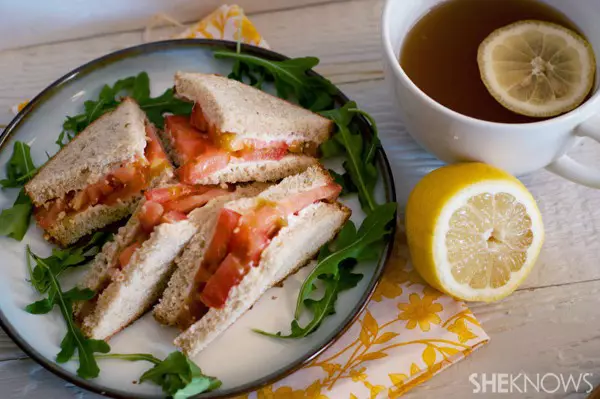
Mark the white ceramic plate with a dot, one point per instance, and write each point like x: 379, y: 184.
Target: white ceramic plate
x: 241, y: 359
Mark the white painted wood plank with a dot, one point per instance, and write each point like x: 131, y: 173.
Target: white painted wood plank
x: 570, y: 212
x: 30, y: 23
x: 344, y: 35
x: 24, y: 379
x: 549, y: 330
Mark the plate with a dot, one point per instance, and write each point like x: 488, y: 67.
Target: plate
x: 240, y: 358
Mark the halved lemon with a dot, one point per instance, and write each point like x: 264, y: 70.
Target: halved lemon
x: 537, y: 68
x: 474, y: 231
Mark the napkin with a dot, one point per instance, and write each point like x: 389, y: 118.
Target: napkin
x: 408, y: 331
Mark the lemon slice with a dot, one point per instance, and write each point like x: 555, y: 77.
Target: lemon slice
x: 474, y: 231
x: 537, y: 68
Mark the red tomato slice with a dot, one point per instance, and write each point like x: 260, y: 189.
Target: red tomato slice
x: 127, y: 253
x: 150, y: 215
x: 154, y: 152
x: 217, y: 250
x: 46, y: 217
x: 188, y: 204
x: 94, y: 193
x: 203, y: 166
x: 297, y: 202
x: 173, y: 216
x: 255, y: 232
x: 273, y: 153
x: 187, y: 141
x: 125, y: 174
x: 229, y: 274
x: 133, y: 187
x: 197, y: 119
x: 80, y: 200
x: 166, y: 194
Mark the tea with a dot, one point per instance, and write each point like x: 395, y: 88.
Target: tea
x: 439, y: 53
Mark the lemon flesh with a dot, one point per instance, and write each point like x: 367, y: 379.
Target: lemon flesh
x: 474, y: 231
x: 537, y: 68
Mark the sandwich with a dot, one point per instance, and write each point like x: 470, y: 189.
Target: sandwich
x: 237, y: 133
x: 246, y: 247
x: 98, y: 178
x: 131, y: 272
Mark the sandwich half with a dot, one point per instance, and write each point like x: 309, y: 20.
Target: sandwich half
x: 237, y: 133
x: 131, y: 272
x: 98, y: 178
x: 250, y: 245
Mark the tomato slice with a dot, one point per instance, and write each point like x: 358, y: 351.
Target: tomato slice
x: 203, y: 166
x: 154, y: 152
x: 187, y: 141
x: 297, y: 202
x: 46, y: 217
x: 229, y: 274
x: 125, y: 174
x: 257, y: 154
x: 127, y: 253
x: 173, y: 216
x: 166, y: 194
x: 188, y: 204
x: 255, y: 232
x: 80, y: 200
x: 150, y: 215
x: 197, y: 119
x: 217, y: 250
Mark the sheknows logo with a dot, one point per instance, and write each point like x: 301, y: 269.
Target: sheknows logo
x: 523, y: 383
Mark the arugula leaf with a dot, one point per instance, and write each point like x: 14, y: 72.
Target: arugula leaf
x: 334, y: 267
x: 20, y: 167
x: 14, y: 221
x: 323, y: 307
x: 74, y: 339
x: 359, y: 157
x: 345, y: 181
x: 166, y: 102
x: 180, y: 377
x: 109, y: 98
x: 62, y: 259
x: 290, y: 78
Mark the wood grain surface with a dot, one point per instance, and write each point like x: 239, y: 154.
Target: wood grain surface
x: 551, y: 324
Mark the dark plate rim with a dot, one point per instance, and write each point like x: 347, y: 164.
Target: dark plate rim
x: 269, y: 379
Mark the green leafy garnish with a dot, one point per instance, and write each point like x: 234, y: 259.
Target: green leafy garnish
x: 14, y: 221
x: 177, y: 375
x: 334, y: 267
x: 290, y: 78
x: 20, y: 167
x: 137, y: 87
x: 360, y: 156
x: 74, y: 339
x: 63, y: 259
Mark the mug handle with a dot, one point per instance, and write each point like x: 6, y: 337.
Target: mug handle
x: 570, y: 169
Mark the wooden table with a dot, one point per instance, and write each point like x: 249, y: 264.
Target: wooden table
x: 551, y: 324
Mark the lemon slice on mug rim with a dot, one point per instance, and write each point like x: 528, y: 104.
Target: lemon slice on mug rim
x: 537, y: 68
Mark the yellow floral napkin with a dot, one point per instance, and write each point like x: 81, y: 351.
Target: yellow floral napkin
x: 408, y: 332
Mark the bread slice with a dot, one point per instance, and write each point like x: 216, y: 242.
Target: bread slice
x: 293, y: 247
x: 127, y: 294
x: 173, y: 302
x: 115, y: 138
x: 234, y: 107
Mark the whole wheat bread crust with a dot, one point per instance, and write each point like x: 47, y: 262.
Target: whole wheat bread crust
x: 322, y: 220
x: 116, y: 138
x: 172, y: 304
x: 234, y: 107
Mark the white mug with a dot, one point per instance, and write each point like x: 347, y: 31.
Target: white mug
x: 516, y: 148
